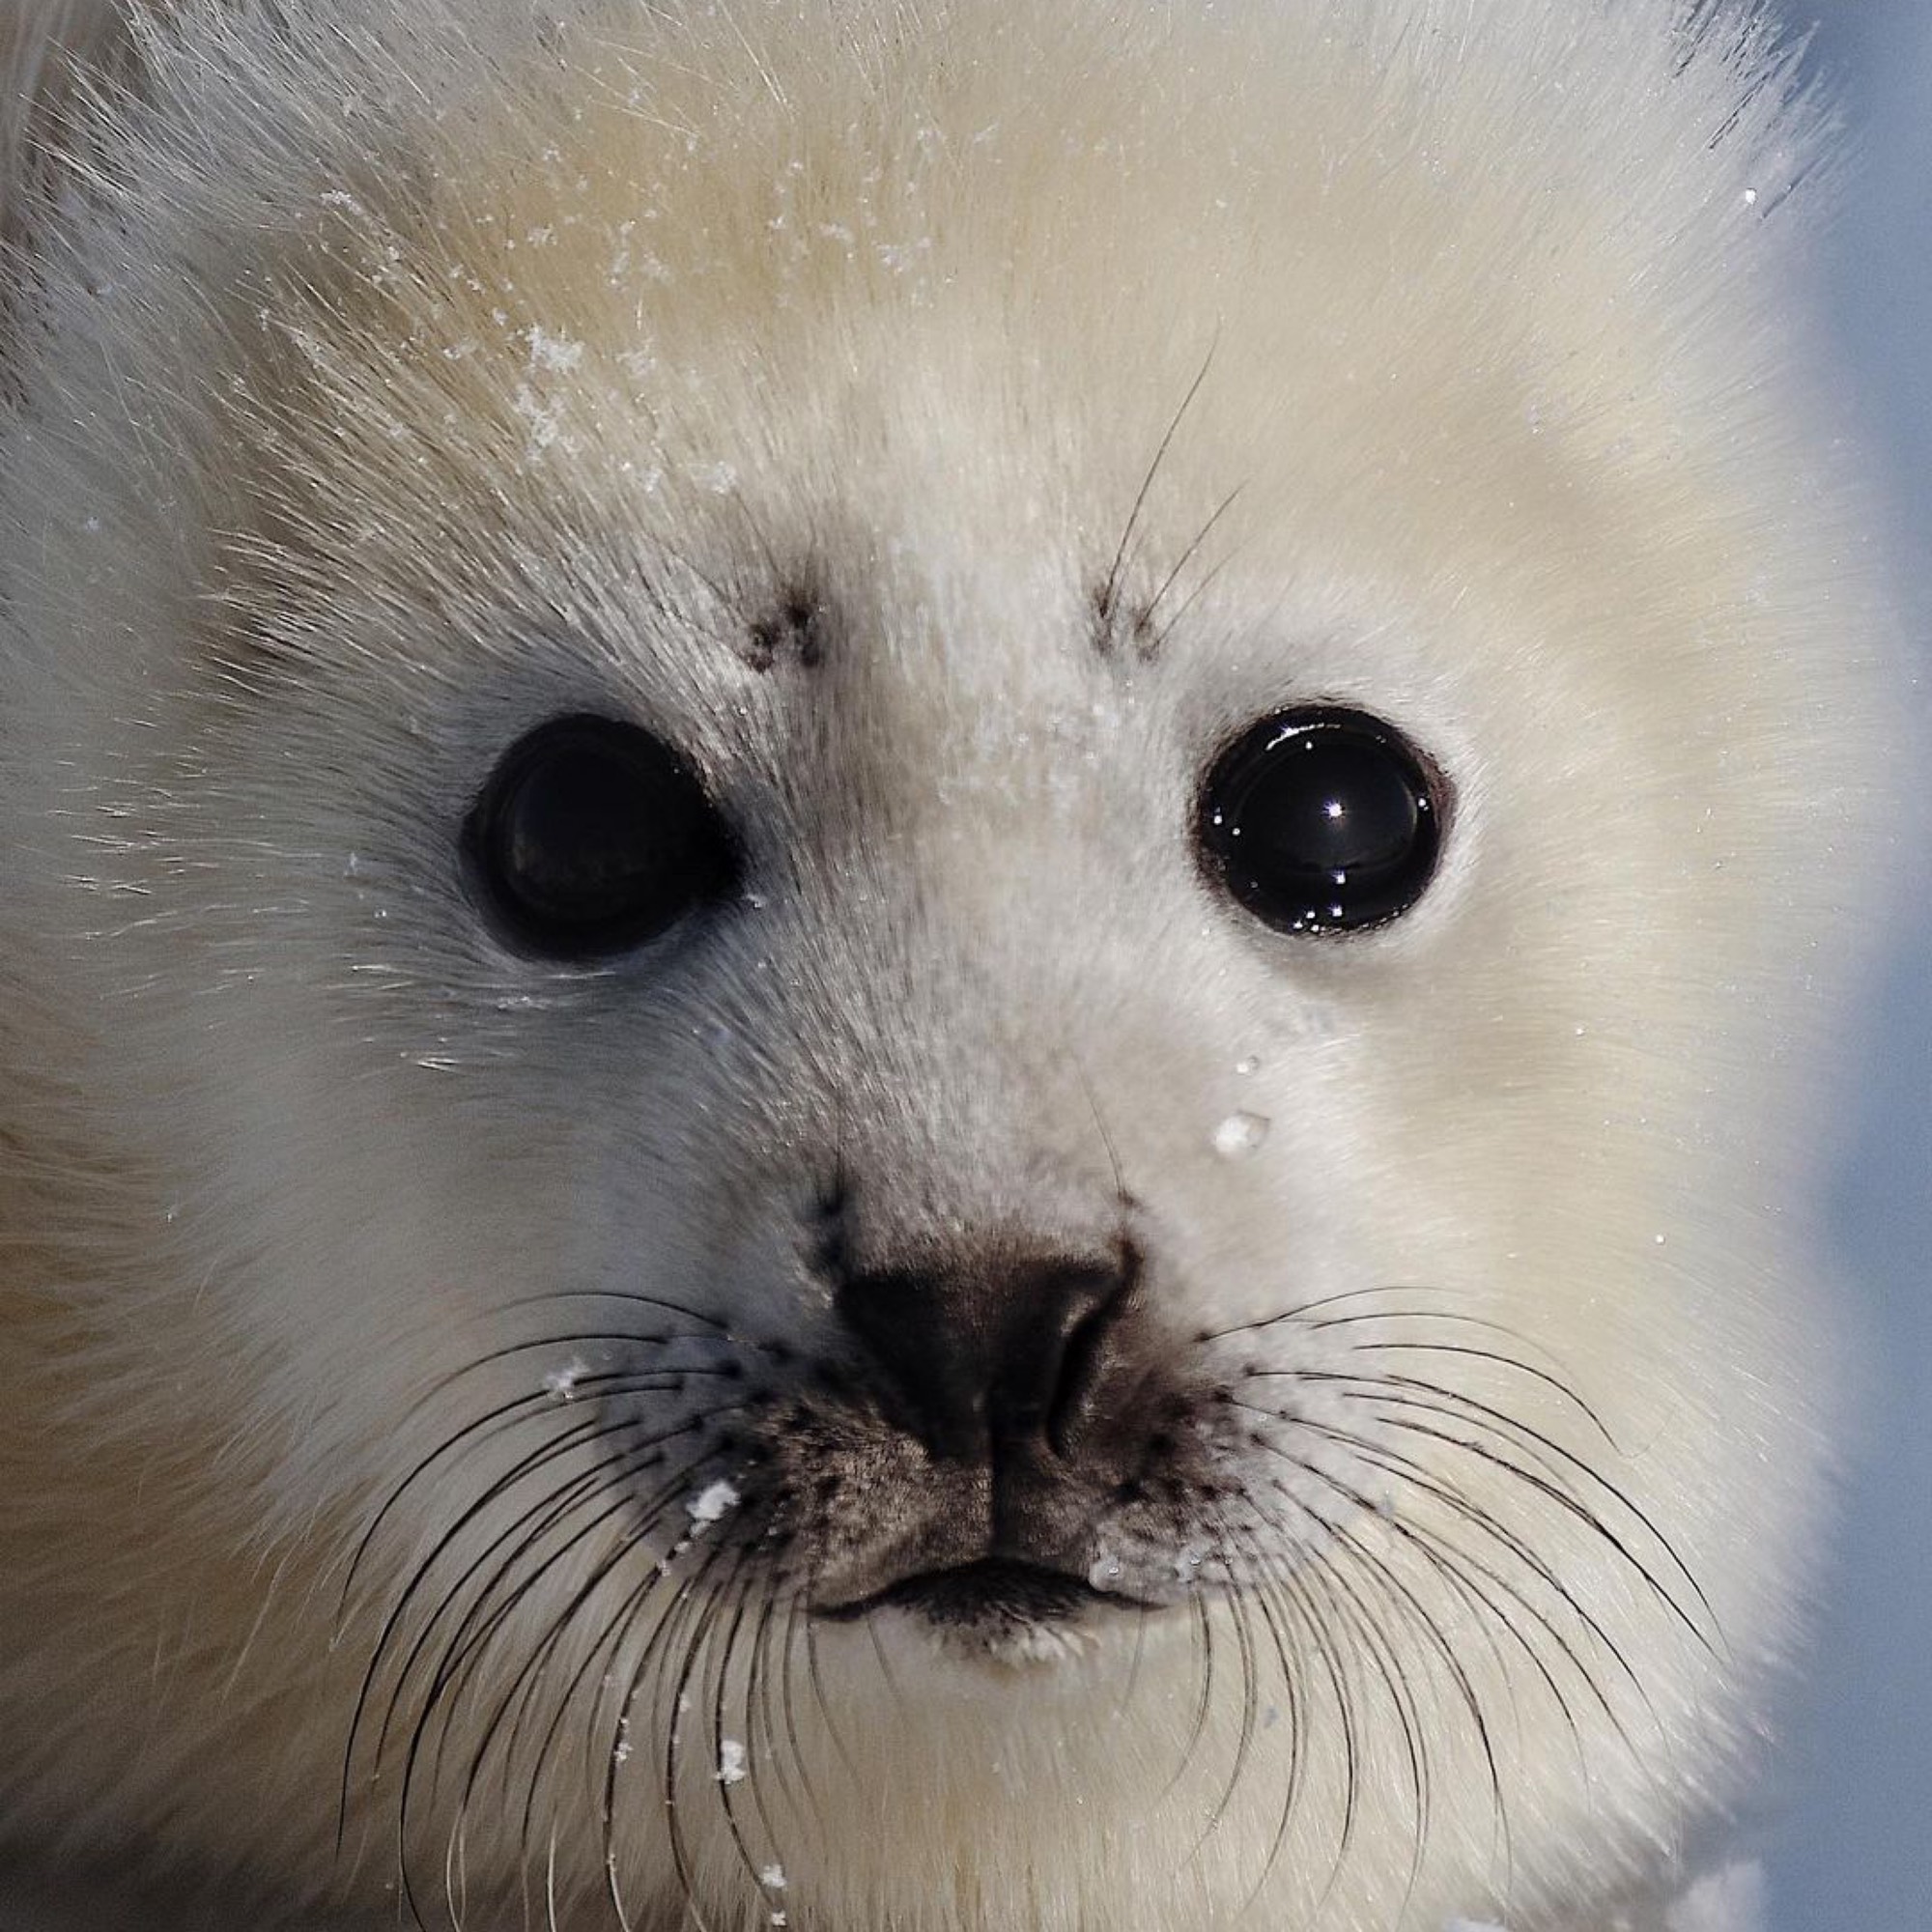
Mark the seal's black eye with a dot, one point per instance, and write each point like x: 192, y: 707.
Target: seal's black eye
x: 592, y: 836
x: 1321, y: 820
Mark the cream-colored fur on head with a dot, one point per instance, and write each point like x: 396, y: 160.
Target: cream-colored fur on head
x: 948, y: 425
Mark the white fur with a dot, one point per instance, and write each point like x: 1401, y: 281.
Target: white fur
x: 396, y: 374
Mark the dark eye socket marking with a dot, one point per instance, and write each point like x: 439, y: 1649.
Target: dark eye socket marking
x: 1321, y: 820
x: 592, y: 836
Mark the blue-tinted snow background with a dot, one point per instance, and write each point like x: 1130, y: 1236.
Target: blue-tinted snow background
x: 1855, y: 1854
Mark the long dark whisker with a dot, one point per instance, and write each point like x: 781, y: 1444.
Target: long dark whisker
x: 1245, y: 1646
x: 815, y: 1676
x: 616, y: 1483
x: 1301, y: 1310
x: 609, y: 1642
x: 761, y: 1734
x: 1121, y: 1194
x: 1484, y: 1522
x: 1556, y: 1382
x: 738, y: 1587
x: 1566, y: 1502
x: 496, y: 1604
x: 1135, y: 1657
x: 884, y: 1665
x: 1108, y: 600
x: 1565, y: 1457
x: 1153, y: 647
x: 392, y: 1622
x: 1410, y: 1392
x: 1298, y: 1587
x: 545, y: 1512
x: 1407, y: 1603
x: 600, y: 1338
x: 648, y: 1663
x: 1204, y: 1634
x: 437, y: 1705
x: 542, y: 1401
x: 629, y: 1298
x: 1181, y: 563
x: 1273, y: 1614
x: 1438, y: 1550
x: 1385, y: 1654
x: 1289, y: 1584
x: 795, y: 1613
x: 1372, y: 1644
x: 687, y: 1671
x: 607, y: 1639
x: 681, y: 1606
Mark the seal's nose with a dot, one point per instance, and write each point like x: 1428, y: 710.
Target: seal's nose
x: 993, y: 1361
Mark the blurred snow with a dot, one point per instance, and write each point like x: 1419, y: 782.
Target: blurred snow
x: 1727, y: 1901
x: 1854, y: 1850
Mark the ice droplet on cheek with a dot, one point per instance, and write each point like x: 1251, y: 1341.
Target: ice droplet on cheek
x: 1240, y: 1135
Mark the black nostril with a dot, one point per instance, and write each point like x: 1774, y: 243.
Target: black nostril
x: 1081, y: 1357
x: 994, y: 1358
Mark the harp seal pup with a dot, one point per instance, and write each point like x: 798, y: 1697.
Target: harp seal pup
x: 920, y: 929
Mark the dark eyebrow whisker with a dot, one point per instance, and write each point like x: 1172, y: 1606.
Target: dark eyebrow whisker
x: 1107, y: 600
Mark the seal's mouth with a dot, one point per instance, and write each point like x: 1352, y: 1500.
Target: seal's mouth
x: 995, y: 1590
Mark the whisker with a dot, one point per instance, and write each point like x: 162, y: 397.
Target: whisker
x: 1576, y: 1463
x: 1186, y: 557
x: 1244, y: 1642
x: 650, y: 1515
x: 434, y: 1708
x: 1453, y: 1564
x: 1203, y: 1649
x: 688, y: 1667
x: 1298, y: 1586
x: 540, y: 1401
x: 1567, y: 1503
x: 1556, y: 1382
x: 1108, y: 601
x: 815, y: 1676
x: 545, y: 1512
x: 1272, y: 1614
x: 627, y: 1297
x: 393, y: 1622
x: 720, y: 1688
x: 788, y: 1649
x: 1395, y: 1465
x: 763, y: 1735
x: 1302, y: 1309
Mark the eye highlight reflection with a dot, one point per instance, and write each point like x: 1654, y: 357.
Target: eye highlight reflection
x: 1321, y: 820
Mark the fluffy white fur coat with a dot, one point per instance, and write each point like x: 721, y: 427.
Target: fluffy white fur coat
x: 947, y: 422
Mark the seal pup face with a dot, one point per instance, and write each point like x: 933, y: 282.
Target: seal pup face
x: 927, y: 936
